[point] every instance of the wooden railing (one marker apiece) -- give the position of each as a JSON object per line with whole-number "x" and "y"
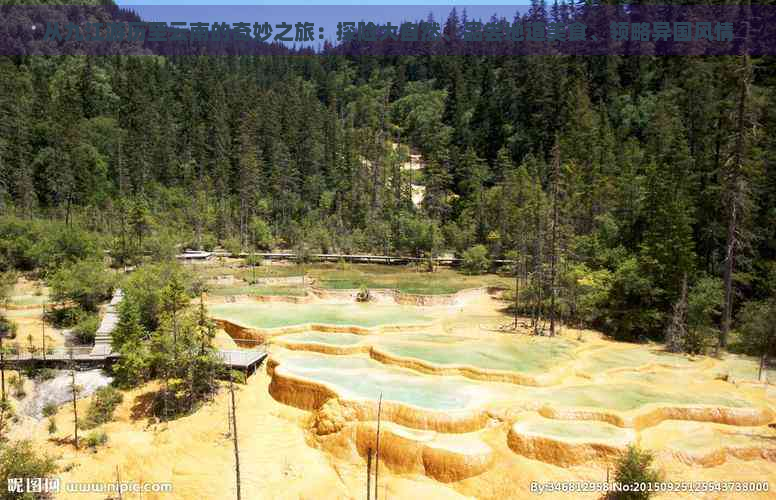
{"x": 331, "y": 257}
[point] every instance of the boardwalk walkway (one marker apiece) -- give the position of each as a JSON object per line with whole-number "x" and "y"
{"x": 242, "y": 359}
{"x": 102, "y": 352}
{"x": 329, "y": 257}
{"x": 102, "y": 340}
{"x": 238, "y": 359}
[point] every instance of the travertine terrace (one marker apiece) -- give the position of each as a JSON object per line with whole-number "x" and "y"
{"x": 458, "y": 392}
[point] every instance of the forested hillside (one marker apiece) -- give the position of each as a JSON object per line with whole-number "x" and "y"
{"x": 614, "y": 180}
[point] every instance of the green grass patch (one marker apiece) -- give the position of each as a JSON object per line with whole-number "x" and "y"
{"x": 101, "y": 409}
{"x": 96, "y": 439}
{"x": 207, "y": 271}
{"x": 342, "y": 284}
{"x": 271, "y": 271}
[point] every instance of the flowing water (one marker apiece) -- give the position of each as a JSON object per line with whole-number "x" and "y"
{"x": 58, "y": 391}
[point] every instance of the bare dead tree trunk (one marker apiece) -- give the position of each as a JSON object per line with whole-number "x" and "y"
{"x": 377, "y": 446}
{"x": 676, "y": 332}
{"x": 3, "y": 417}
{"x": 539, "y": 261}
{"x": 769, "y": 347}
{"x": 74, "y": 390}
{"x": 234, "y": 438}
{"x": 2, "y": 366}
{"x": 242, "y": 222}
{"x": 228, "y": 419}
{"x": 43, "y": 330}
{"x": 732, "y": 242}
{"x": 735, "y": 190}
{"x": 368, "y": 473}
{"x": 554, "y": 237}
{"x": 762, "y": 366}
{"x": 517, "y": 292}
{"x": 118, "y": 482}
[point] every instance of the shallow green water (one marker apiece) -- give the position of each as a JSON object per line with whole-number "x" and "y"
{"x": 357, "y": 377}
{"x": 496, "y": 354}
{"x": 361, "y": 377}
{"x": 743, "y": 368}
{"x": 277, "y": 315}
{"x": 621, "y": 358}
{"x": 624, "y": 397}
{"x": 425, "y": 337}
{"x": 661, "y": 378}
{"x": 337, "y": 339}
{"x": 574, "y": 429}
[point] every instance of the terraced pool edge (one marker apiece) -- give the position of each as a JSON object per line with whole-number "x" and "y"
{"x": 565, "y": 451}
{"x": 311, "y": 395}
{"x": 240, "y": 332}
{"x": 427, "y": 367}
{"x": 382, "y": 294}
{"x": 403, "y": 298}
{"x": 470, "y": 371}
{"x": 408, "y": 455}
{"x": 651, "y": 414}
{"x": 719, "y": 455}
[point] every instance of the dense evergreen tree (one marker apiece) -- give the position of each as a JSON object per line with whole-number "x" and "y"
{"x": 666, "y": 165}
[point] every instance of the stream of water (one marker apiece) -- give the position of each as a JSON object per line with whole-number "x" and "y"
{"x": 57, "y": 390}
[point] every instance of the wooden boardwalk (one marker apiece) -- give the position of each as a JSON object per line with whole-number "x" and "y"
{"x": 242, "y": 359}
{"x": 103, "y": 338}
{"x": 101, "y": 353}
{"x": 61, "y": 354}
{"x": 238, "y": 359}
{"x": 331, "y": 257}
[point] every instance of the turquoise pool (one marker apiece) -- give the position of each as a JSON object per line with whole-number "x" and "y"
{"x": 358, "y": 377}
{"x": 516, "y": 355}
{"x": 280, "y": 314}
